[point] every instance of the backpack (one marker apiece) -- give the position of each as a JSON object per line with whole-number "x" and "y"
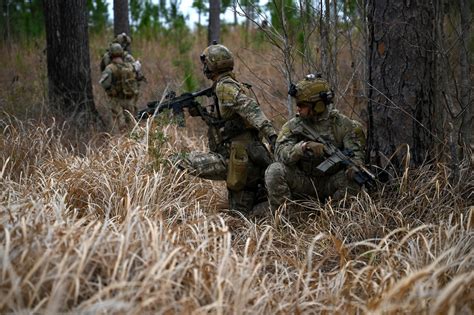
{"x": 124, "y": 82}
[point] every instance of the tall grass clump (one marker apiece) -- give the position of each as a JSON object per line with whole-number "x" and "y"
{"x": 105, "y": 228}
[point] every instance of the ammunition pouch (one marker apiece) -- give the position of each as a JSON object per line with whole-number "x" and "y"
{"x": 335, "y": 162}
{"x": 331, "y": 165}
{"x": 238, "y": 166}
{"x": 221, "y": 135}
{"x": 258, "y": 154}
{"x": 232, "y": 128}
{"x": 309, "y": 165}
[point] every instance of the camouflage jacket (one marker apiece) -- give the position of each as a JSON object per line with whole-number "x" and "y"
{"x": 106, "y": 59}
{"x": 234, "y": 105}
{"x": 344, "y": 133}
{"x": 118, "y": 80}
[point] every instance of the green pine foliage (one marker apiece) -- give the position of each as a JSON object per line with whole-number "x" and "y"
{"x": 98, "y": 15}
{"x": 21, "y": 19}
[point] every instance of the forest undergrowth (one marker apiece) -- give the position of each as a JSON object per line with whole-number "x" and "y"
{"x": 107, "y": 225}
{"x": 106, "y": 228}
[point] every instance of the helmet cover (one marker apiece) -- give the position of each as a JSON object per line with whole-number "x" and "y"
{"x": 217, "y": 59}
{"x": 116, "y": 50}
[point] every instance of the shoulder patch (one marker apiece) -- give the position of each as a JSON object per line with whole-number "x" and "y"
{"x": 226, "y": 92}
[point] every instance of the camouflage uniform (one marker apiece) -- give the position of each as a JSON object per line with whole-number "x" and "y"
{"x": 242, "y": 123}
{"x": 118, "y": 80}
{"x": 294, "y": 174}
{"x": 107, "y": 59}
{"x": 124, "y": 40}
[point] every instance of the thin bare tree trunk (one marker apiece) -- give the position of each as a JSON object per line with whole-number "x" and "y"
{"x": 214, "y": 28}
{"x": 6, "y": 20}
{"x": 121, "y": 21}
{"x": 334, "y": 54}
{"x": 467, "y": 129}
{"x": 324, "y": 33}
{"x": 234, "y": 5}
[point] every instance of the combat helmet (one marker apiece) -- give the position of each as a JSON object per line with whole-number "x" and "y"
{"x": 116, "y": 50}
{"x": 217, "y": 59}
{"x": 124, "y": 40}
{"x": 314, "y": 90}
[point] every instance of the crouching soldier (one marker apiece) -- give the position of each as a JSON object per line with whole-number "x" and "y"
{"x": 236, "y": 126}
{"x": 303, "y": 168}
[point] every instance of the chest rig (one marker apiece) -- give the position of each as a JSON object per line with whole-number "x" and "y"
{"x": 228, "y": 127}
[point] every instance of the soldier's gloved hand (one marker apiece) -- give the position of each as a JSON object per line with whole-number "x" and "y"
{"x": 351, "y": 172}
{"x": 315, "y": 147}
{"x": 193, "y": 109}
{"x": 272, "y": 142}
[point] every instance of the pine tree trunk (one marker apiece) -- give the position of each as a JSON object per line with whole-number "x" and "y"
{"x": 467, "y": 129}
{"x": 68, "y": 63}
{"x": 121, "y": 22}
{"x": 214, "y": 28}
{"x": 6, "y": 22}
{"x": 402, "y": 80}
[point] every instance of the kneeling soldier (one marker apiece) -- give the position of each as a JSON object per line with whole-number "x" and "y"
{"x": 305, "y": 144}
{"x": 237, "y": 154}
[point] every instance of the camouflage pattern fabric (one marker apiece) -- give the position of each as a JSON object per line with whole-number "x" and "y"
{"x": 119, "y": 119}
{"x": 107, "y": 59}
{"x": 234, "y": 101}
{"x": 289, "y": 183}
{"x": 213, "y": 166}
{"x": 234, "y": 105}
{"x": 294, "y": 174}
{"x": 205, "y": 165}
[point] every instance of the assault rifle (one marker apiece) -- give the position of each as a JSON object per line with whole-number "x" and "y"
{"x": 174, "y": 103}
{"x": 362, "y": 175}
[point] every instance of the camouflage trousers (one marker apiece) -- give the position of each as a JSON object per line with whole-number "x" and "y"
{"x": 214, "y": 166}
{"x": 121, "y": 113}
{"x": 284, "y": 182}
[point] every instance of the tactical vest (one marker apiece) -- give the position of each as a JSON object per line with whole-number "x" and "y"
{"x": 124, "y": 82}
{"x": 221, "y": 134}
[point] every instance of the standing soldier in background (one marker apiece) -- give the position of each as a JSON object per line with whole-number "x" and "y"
{"x": 299, "y": 151}
{"x": 237, "y": 154}
{"x": 124, "y": 40}
{"x": 119, "y": 82}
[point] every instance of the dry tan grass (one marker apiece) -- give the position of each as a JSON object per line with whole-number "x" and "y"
{"x": 101, "y": 231}
{"x": 95, "y": 228}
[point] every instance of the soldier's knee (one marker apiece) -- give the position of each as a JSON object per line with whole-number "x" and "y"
{"x": 274, "y": 172}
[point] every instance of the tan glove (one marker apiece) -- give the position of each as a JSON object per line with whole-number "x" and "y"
{"x": 315, "y": 147}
